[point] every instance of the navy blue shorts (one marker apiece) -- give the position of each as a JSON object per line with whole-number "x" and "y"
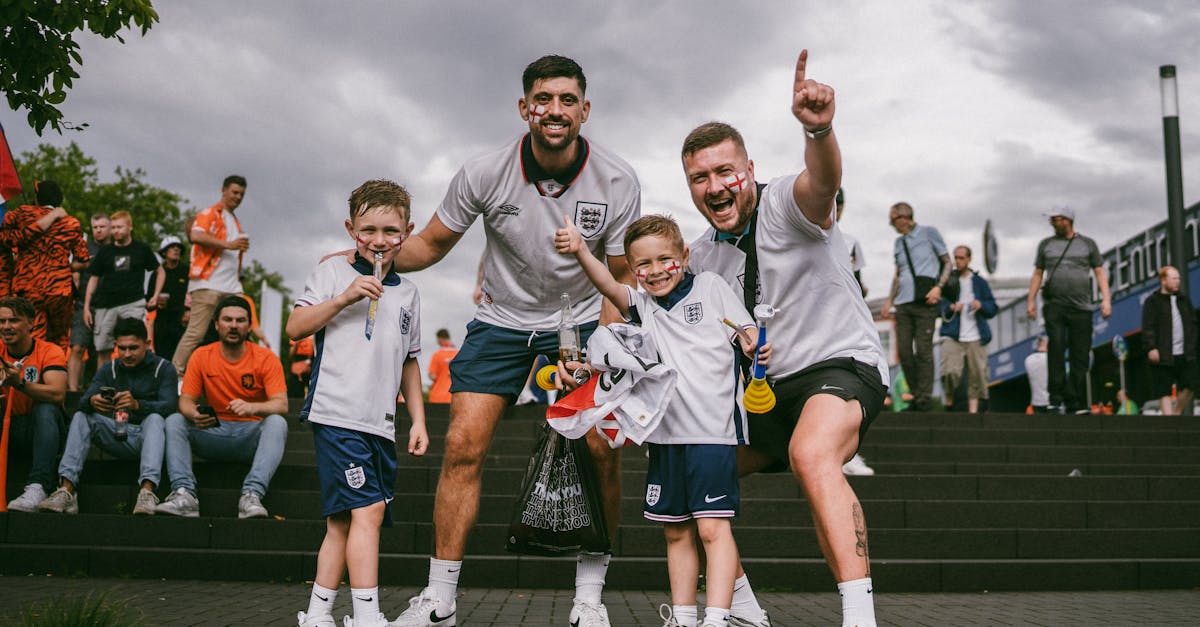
{"x": 496, "y": 360}
{"x": 844, "y": 378}
{"x": 355, "y": 469}
{"x": 688, "y": 481}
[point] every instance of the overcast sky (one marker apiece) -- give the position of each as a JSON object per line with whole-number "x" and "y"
{"x": 967, "y": 110}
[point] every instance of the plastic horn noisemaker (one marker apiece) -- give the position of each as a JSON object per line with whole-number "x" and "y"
{"x": 373, "y": 309}
{"x": 759, "y": 397}
{"x": 545, "y": 377}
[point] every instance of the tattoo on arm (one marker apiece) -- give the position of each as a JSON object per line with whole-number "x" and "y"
{"x": 947, "y": 267}
{"x": 860, "y": 532}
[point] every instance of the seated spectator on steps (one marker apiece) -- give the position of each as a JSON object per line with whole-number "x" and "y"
{"x": 139, "y": 385}
{"x": 35, "y": 382}
{"x": 238, "y": 420}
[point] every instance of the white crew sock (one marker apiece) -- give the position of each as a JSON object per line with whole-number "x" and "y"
{"x": 858, "y": 603}
{"x": 685, "y": 615}
{"x": 366, "y": 605}
{"x": 718, "y": 615}
{"x": 590, "y": 571}
{"x": 320, "y": 602}
{"x": 745, "y": 604}
{"x": 443, "y": 578}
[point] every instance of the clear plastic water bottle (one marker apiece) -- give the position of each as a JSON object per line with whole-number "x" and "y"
{"x": 122, "y": 418}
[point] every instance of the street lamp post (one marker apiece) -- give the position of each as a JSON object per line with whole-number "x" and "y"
{"x": 1175, "y": 232}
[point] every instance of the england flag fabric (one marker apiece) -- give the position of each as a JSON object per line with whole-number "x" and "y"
{"x": 626, "y": 401}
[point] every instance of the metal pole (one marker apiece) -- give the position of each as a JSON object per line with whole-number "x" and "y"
{"x": 1175, "y": 232}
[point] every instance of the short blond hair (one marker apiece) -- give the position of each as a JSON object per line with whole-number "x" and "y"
{"x": 379, "y": 193}
{"x": 646, "y": 226}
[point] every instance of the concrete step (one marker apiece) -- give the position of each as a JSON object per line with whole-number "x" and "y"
{"x": 631, "y": 573}
{"x": 638, "y": 539}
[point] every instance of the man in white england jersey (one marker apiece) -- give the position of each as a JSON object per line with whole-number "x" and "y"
{"x": 522, "y": 190}
{"x": 828, "y": 368}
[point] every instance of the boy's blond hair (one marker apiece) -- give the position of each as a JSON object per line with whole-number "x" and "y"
{"x": 662, "y": 226}
{"x": 377, "y": 194}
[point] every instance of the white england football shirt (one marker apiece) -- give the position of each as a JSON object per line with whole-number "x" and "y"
{"x": 805, "y": 273}
{"x": 355, "y": 381}
{"x": 694, "y": 340}
{"x": 523, "y": 276}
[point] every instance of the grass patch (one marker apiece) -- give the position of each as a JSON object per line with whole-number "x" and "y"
{"x": 93, "y": 610}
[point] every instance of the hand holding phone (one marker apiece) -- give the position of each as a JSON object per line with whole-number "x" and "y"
{"x": 206, "y": 411}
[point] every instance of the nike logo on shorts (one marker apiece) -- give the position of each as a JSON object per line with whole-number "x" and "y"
{"x": 714, "y": 499}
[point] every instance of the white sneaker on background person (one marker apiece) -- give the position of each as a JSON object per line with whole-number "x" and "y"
{"x": 857, "y": 467}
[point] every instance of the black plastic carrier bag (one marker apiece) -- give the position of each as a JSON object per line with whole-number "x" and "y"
{"x": 559, "y": 510}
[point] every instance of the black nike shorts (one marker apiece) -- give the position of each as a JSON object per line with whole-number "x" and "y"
{"x": 842, "y": 377}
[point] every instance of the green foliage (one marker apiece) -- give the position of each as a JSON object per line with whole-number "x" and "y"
{"x": 253, "y": 275}
{"x": 88, "y": 611}
{"x": 38, "y": 52}
{"x": 156, "y": 212}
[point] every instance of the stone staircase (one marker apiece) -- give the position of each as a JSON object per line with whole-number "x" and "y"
{"x": 959, "y": 503}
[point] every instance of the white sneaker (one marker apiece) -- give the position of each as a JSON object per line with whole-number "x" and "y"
{"x": 304, "y": 620}
{"x": 147, "y": 500}
{"x": 586, "y": 614}
{"x": 526, "y": 397}
{"x": 735, "y": 621}
{"x": 180, "y": 503}
{"x": 857, "y": 467}
{"x": 426, "y": 610}
{"x": 668, "y": 616}
{"x": 250, "y": 506}
{"x": 61, "y": 501}
{"x": 29, "y": 499}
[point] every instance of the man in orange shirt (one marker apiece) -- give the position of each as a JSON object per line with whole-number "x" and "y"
{"x": 218, "y": 244}
{"x": 238, "y": 420}
{"x": 35, "y": 381}
{"x": 49, "y": 247}
{"x": 439, "y": 368}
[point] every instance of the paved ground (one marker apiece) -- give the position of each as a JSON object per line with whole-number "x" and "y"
{"x": 216, "y": 603}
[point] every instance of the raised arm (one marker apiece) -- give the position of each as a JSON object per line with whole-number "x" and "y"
{"x": 427, "y": 247}
{"x": 568, "y": 241}
{"x": 813, "y": 106}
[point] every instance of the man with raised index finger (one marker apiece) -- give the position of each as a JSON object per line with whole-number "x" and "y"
{"x": 778, "y": 244}
{"x": 521, "y": 190}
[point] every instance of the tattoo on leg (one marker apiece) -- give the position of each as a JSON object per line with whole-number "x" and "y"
{"x": 860, "y": 532}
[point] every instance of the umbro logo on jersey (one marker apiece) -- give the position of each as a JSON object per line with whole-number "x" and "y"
{"x": 508, "y": 209}
{"x": 713, "y": 499}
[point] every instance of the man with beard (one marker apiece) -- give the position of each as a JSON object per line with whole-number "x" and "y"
{"x": 522, "y": 190}
{"x": 1061, "y": 271}
{"x": 777, "y": 244}
{"x": 81, "y": 333}
{"x": 1169, "y": 335}
{"x": 239, "y": 419}
{"x": 218, "y": 244}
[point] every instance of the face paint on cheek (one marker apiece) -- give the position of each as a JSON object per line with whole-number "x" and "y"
{"x": 737, "y": 182}
{"x": 536, "y": 113}
{"x": 673, "y": 267}
{"x": 641, "y": 275}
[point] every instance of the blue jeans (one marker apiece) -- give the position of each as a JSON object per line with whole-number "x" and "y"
{"x": 257, "y": 442}
{"x": 39, "y": 432}
{"x": 145, "y": 441}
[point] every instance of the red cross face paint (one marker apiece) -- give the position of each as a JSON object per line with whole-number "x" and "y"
{"x": 737, "y": 182}
{"x": 536, "y": 113}
{"x": 392, "y": 243}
